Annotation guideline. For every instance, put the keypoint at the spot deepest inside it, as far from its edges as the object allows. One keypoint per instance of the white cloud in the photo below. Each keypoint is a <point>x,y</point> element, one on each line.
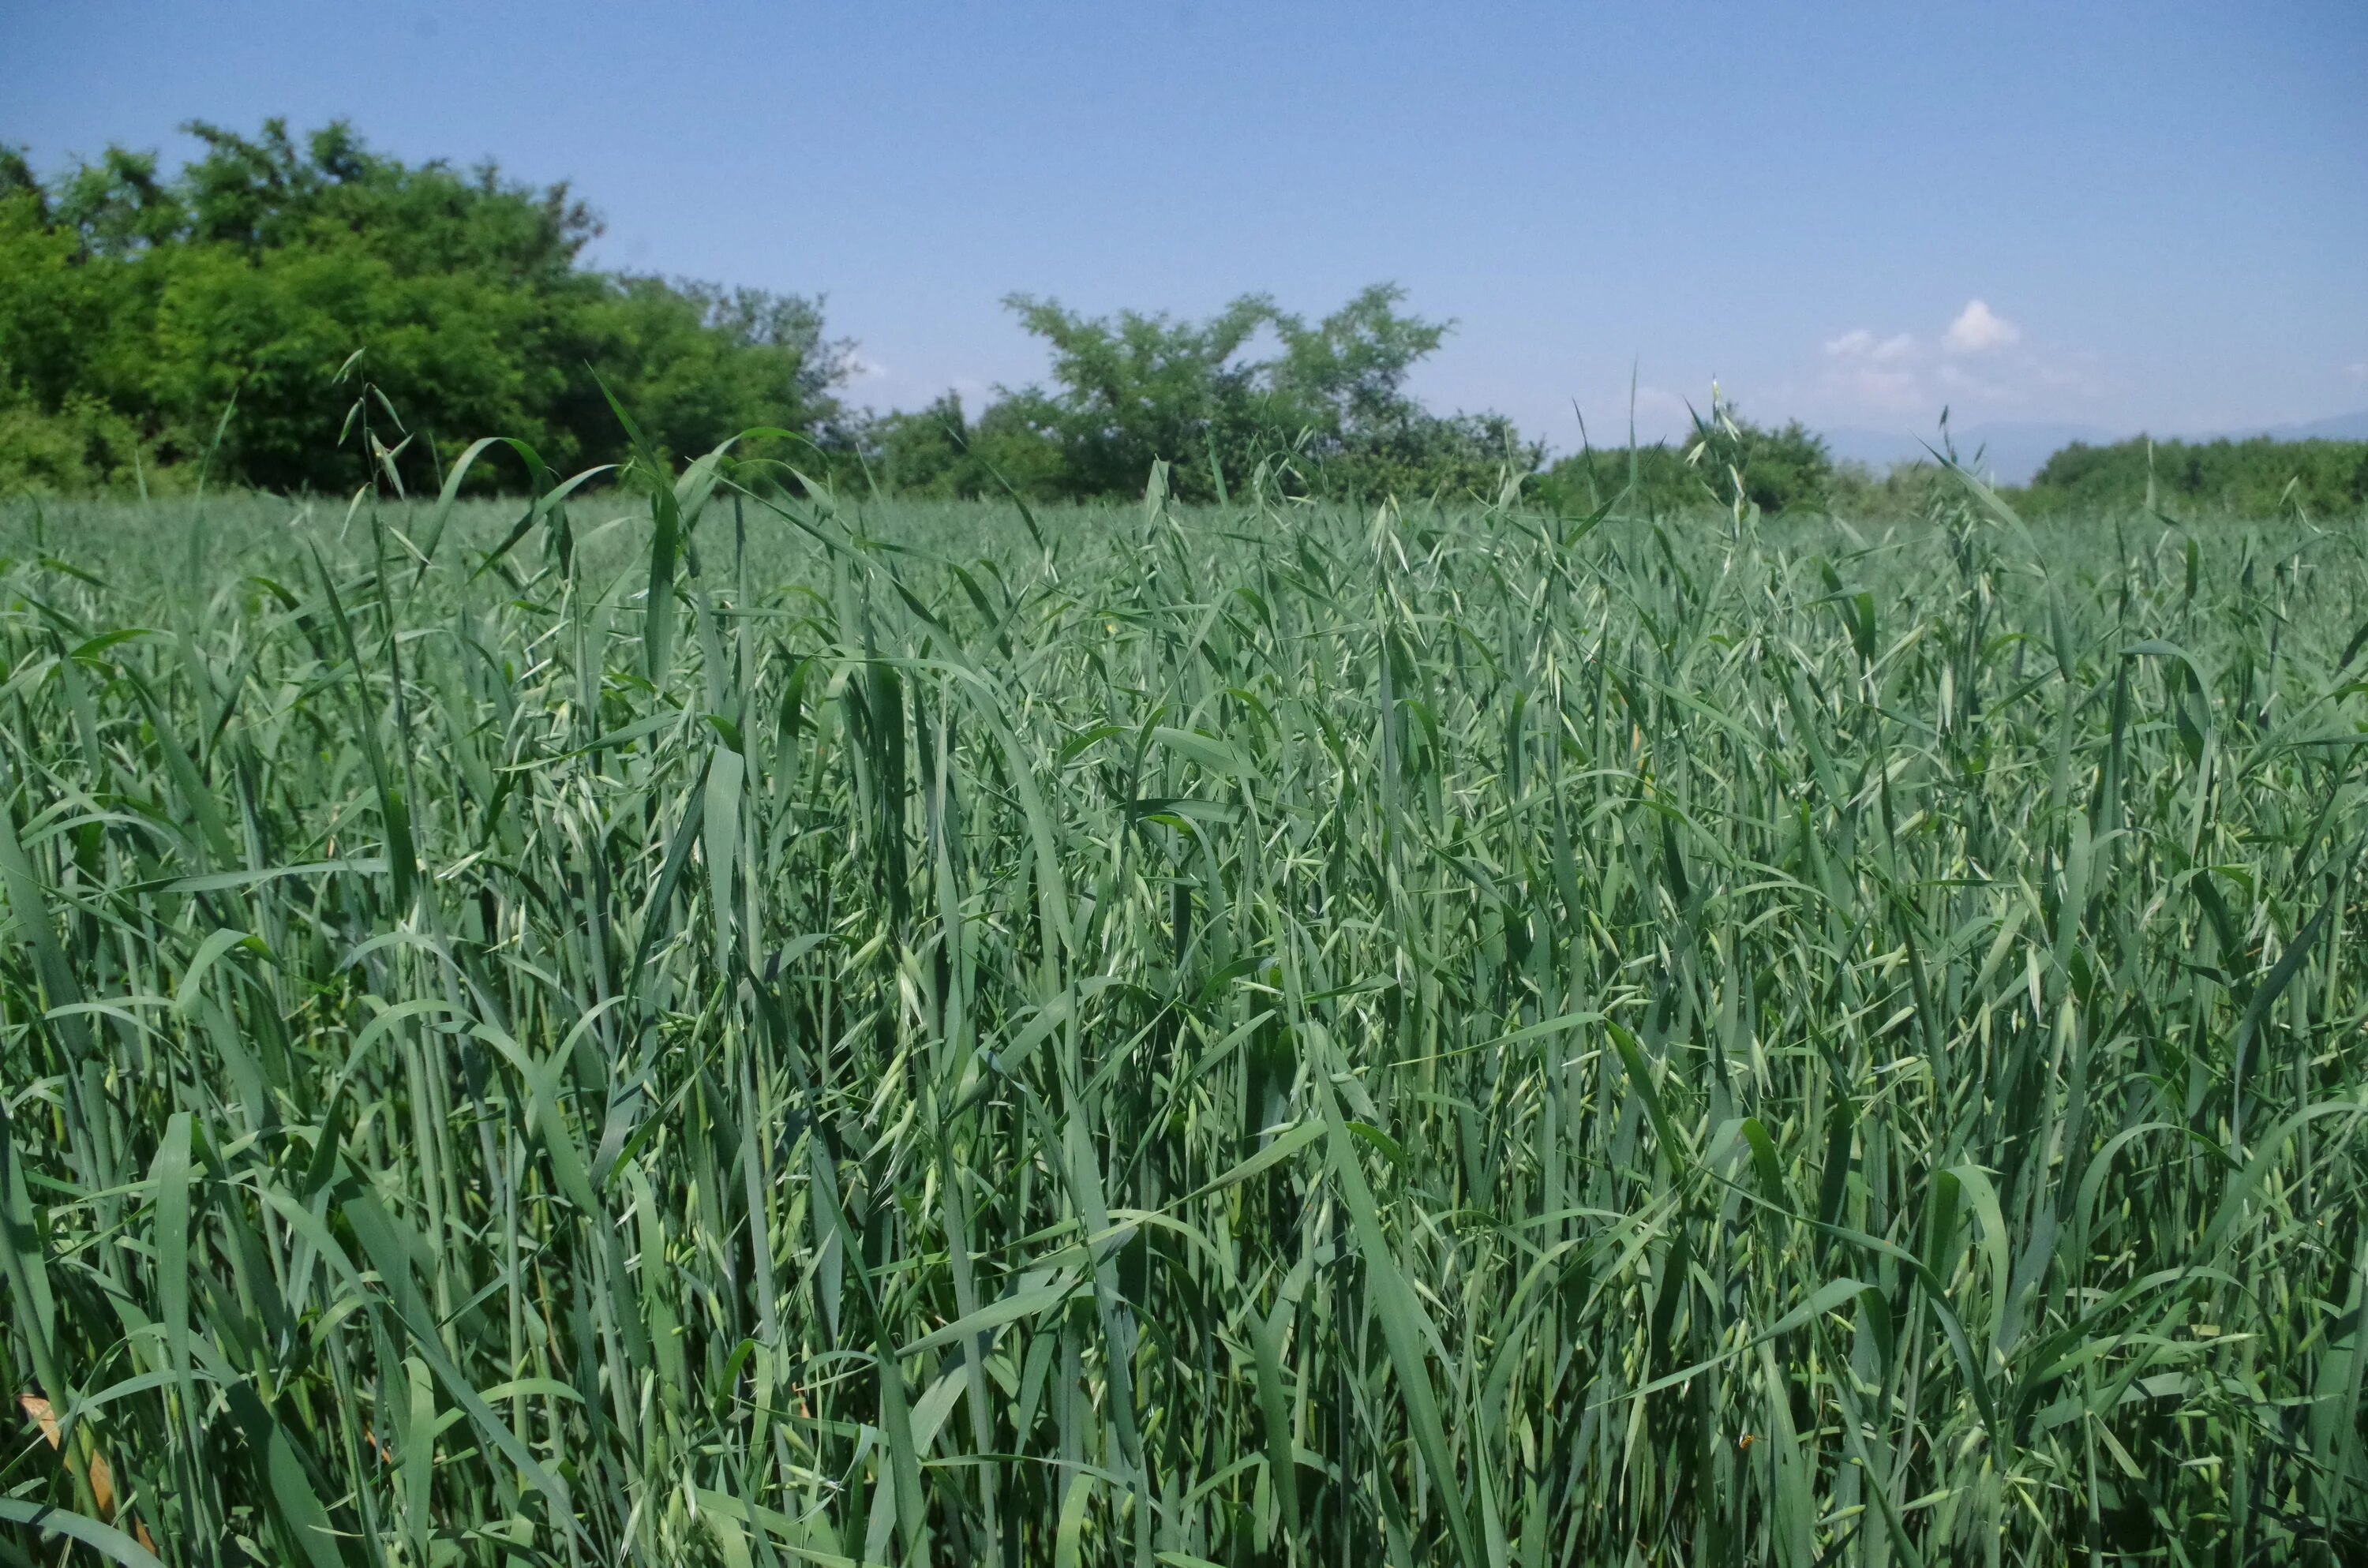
<point>1876,373</point>
<point>1979,362</point>
<point>1978,329</point>
<point>1893,392</point>
<point>1860,344</point>
<point>1964,386</point>
<point>2357,369</point>
<point>862,369</point>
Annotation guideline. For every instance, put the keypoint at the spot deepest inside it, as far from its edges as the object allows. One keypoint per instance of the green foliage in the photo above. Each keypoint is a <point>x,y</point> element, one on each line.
<point>257,270</point>
<point>83,448</point>
<point>137,305</point>
<point>1323,408</point>
<point>938,452</point>
<point>1137,389</point>
<point>2250,477</point>
<point>140,305</point>
<point>1415,454</point>
<point>1903,490</point>
<point>1776,469</point>
<point>1269,1035</point>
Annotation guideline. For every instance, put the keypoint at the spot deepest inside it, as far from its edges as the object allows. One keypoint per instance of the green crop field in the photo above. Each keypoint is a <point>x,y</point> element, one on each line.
<point>760,1032</point>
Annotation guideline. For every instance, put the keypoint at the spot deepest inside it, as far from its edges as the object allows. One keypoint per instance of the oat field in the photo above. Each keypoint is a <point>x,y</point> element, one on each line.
<point>685,1024</point>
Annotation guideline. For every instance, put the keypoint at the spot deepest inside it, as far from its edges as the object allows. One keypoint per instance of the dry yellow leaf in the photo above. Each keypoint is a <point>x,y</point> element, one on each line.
<point>102,1485</point>
<point>38,1409</point>
<point>102,1474</point>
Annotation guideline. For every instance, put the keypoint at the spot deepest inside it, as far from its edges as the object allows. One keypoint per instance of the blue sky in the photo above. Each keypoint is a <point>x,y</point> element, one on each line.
<point>2125,215</point>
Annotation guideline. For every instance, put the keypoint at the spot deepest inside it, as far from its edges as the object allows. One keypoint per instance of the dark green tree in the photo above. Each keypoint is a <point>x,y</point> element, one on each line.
<point>1132,389</point>
<point>133,306</point>
<point>1775,469</point>
<point>1328,395</point>
<point>2253,477</point>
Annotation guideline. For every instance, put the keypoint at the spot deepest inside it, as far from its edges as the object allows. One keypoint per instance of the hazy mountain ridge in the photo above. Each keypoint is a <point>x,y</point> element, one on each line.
<point>2012,451</point>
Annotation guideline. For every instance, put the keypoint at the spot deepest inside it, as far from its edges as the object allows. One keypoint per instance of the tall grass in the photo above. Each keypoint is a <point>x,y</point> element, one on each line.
<point>753,1032</point>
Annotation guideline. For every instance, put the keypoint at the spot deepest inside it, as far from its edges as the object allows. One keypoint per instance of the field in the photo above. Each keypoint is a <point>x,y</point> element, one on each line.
<point>756,1031</point>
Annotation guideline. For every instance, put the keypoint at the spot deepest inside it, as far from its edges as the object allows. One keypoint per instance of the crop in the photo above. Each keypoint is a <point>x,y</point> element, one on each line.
<point>757,1030</point>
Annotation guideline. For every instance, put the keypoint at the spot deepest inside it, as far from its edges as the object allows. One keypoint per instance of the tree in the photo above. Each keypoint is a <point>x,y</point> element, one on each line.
<point>1132,389</point>
<point>1788,467</point>
<point>136,304</point>
<point>2254,477</point>
<point>1138,388</point>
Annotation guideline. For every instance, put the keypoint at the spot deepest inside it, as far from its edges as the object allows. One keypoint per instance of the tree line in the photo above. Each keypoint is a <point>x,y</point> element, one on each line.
<point>153,324</point>
<point>138,305</point>
<point>136,308</point>
<point>2257,477</point>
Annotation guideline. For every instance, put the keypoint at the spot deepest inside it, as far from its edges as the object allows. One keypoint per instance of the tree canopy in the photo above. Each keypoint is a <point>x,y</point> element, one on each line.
<point>1319,406</point>
<point>2254,478</point>
<point>138,304</point>
<point>1777,469</point>
<point>134,306</point>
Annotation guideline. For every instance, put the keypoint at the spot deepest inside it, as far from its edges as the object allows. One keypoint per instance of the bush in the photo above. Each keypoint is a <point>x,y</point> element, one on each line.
<point>1773,468</point>
<point>2255,477</point>
<point>1903,490</point>
<point>84,448</point>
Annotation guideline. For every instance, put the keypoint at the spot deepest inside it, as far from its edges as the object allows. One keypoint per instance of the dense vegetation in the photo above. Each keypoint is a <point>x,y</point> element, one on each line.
<point>1326,413</point>
<point>134,308</point>
<point>137,308</point>
<point>1726,457</point>
<point>2254,478</point>
<point>748,1030</point>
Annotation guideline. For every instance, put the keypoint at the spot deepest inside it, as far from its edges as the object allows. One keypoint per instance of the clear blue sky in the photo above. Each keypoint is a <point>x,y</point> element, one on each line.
<point>2161,209</point>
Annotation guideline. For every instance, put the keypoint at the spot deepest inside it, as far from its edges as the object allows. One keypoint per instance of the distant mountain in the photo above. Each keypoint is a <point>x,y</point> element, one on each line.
<point>2013,451</point>
<point>2343,427</point>
<point>2010,452</point>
